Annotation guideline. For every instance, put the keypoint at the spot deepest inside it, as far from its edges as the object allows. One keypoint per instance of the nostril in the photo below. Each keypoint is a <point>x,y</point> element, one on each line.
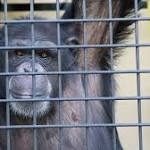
<point>26,70</point>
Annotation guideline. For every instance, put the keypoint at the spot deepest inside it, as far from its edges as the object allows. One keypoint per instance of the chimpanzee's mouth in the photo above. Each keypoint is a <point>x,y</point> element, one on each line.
<point>18,95</point>
<point>28,108</point>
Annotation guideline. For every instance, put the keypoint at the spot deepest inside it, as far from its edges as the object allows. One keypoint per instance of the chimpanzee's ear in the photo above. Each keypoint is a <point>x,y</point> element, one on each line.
<point>73,41</point>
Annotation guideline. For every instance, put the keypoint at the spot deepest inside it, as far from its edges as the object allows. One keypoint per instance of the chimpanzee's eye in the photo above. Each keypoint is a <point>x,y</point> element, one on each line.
<point>19,53</point>
<point>43,54</point>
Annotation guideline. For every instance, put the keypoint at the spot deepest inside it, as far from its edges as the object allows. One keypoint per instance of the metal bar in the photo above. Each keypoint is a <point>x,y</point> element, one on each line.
<point>138,76</point>
<point>75,46</point>
<point>116,98</point>
<point>76,125</point>
<point>112,68</point>
<point>37,7</point>
<point>76,20</point>
<point>45,6</point>
<point>77,72</point>
<point>33,76</point>
<point>60,146</point>
<point>7,83</point>
<point>85,75</point>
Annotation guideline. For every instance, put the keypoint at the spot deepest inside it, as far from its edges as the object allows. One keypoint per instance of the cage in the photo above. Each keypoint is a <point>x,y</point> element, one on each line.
<point>74,75</point>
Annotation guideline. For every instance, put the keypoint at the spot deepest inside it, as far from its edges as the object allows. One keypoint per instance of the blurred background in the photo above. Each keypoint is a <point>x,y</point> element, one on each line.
<point>126,110</point>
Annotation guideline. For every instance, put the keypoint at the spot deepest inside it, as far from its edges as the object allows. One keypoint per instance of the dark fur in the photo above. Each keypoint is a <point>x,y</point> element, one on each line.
<point>73,112</point>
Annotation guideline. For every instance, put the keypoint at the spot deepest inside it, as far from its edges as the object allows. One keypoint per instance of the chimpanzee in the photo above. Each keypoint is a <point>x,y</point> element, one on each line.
<point>70,124</point>
<point>20,61</point>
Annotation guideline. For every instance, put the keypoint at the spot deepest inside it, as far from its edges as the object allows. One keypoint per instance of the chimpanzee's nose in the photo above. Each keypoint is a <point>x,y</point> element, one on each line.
<point>29,70</point>
<point>28,67</point>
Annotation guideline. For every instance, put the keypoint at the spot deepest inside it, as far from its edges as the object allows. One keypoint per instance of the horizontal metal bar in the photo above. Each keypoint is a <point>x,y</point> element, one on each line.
<point>43,6</point>
<point>75,72</point>
<point>74,20</point>
<point>115,98</point>
<point>26,7</point>
<point>76,125</point>
<point>75,46</point>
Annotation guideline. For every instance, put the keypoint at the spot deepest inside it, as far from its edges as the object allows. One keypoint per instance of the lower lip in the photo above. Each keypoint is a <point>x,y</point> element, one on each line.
<point>19,96</point>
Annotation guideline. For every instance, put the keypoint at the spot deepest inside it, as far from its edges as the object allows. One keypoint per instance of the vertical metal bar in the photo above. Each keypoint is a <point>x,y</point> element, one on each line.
<point>85,69</point>
<point>7,70</point>
<point>33,76</point>
<point>138,75</point>
<point>59,69</point>
<point>112,68</point>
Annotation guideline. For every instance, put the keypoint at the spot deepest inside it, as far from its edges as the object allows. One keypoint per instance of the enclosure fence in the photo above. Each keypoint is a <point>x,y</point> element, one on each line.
<point>7,125</point>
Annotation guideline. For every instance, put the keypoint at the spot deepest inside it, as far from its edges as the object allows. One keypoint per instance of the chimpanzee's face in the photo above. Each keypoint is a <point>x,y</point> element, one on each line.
<point>42,85</point>
<point>39,86</point>
<point>32,86</point>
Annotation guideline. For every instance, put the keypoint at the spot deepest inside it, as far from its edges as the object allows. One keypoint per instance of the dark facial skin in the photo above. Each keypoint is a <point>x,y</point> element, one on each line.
<point>21,87</point>
<point>46,60</point>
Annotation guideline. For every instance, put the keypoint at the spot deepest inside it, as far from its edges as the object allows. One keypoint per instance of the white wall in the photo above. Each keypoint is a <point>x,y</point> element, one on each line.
<point>127,110</point>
